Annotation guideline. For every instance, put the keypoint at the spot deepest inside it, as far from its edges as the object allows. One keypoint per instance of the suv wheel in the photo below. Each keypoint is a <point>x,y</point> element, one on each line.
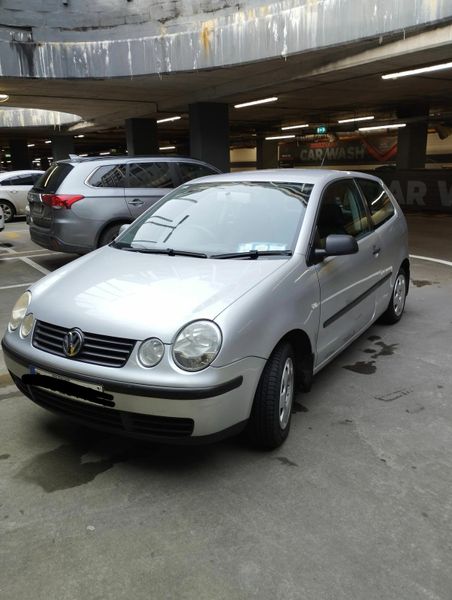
<point>109,234</point>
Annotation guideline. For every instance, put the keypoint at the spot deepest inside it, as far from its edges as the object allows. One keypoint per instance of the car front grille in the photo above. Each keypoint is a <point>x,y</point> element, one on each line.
<point>134,424</point>
<point>97,349</point>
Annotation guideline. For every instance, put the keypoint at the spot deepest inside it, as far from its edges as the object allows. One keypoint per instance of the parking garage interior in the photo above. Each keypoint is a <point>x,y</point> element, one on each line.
<point>357,503</point>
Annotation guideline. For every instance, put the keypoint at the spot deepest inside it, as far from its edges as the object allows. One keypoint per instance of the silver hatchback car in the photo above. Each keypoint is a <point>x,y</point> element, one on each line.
<point>209,312</point>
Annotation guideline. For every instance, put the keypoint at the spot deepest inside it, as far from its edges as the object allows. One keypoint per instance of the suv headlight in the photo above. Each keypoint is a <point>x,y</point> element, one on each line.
<point>196,345</point>
<point>19,311</point>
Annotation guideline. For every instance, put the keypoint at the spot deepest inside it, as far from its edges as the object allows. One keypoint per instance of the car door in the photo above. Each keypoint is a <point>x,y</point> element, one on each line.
<point>347,283</point>
<point>383,218</point>
<point>20,187</point>
<point>147,182</point>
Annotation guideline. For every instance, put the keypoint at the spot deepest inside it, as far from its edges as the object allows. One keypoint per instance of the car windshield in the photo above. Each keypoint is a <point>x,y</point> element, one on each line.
<point>222,220</point>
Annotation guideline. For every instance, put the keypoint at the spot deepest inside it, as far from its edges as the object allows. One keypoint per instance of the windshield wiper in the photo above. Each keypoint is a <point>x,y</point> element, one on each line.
<point>253,254</point>
<point>168,251</point>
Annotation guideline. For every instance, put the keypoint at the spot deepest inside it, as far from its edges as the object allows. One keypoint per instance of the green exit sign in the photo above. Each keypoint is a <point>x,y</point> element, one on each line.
<point>321,129</point>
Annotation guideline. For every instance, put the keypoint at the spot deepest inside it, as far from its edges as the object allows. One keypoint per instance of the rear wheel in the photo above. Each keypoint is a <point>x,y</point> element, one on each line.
<point>396,305</point>
<point>8,210</point>
<point>109,234</point>
<point>270,418</point>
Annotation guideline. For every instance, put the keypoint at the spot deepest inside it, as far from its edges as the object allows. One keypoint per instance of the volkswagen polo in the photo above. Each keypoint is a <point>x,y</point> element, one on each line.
<point>209,312</point>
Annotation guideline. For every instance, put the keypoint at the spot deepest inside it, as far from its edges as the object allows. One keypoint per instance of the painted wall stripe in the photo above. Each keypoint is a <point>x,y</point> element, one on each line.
<point>435,260</point>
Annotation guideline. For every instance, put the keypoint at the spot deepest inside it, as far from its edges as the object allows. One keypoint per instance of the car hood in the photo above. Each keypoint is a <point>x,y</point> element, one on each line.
<point>133,295</point>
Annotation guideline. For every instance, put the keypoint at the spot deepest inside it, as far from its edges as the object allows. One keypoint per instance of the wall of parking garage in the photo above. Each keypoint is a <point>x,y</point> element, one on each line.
<point>108,38</point>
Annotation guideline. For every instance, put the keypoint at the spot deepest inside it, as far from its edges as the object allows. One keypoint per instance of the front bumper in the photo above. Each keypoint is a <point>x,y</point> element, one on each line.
<point>177,414</point>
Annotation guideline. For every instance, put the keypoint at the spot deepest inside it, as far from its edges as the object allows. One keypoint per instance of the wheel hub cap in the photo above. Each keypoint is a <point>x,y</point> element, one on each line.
<point>286,393</point>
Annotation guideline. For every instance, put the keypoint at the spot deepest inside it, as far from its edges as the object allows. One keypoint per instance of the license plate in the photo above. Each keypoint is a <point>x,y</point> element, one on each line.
<point>91,386</point>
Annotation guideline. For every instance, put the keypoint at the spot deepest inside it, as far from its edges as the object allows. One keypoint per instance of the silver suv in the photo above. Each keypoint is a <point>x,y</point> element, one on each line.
<point>80,204</point>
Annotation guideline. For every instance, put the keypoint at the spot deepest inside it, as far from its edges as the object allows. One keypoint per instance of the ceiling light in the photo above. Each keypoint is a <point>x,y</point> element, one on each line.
<point>391,126</point>
<point>4,97</point>
<point>369,118</point>
<point>168,119</point>
<point>80,135</point>
<point>253,102</point>
<point>167,148</point>
<point>295,126</point>
<point>280,137</point>
<point>30,145</point>
<point>418,71</point>
<point>104,153</point>
<point>48,142</point>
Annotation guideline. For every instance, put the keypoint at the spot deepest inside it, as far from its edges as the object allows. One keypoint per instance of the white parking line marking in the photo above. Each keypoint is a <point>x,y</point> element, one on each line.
<point>17,256</point>
<point>34,265</point>
<point>16,285</point>
<point>435,260</point>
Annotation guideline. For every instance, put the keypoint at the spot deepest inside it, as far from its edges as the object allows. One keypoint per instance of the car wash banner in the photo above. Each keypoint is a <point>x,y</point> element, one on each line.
<point>315,151</point>
<point>420,189</point>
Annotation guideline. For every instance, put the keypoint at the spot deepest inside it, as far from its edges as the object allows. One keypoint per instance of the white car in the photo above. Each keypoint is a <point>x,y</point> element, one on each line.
<point>14,187</point>
<point>2,220</point>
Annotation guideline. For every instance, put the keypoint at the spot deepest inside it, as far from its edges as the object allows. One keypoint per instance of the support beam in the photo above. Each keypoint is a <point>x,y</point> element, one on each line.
<point>141,137</point>
<point>62,146</point>
<point>20,158</point>
<point>266,153</point>
<point>412,139</point>
<point>209,133</point>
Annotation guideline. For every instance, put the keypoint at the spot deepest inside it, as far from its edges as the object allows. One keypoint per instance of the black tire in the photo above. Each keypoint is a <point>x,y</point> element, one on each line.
<point>109,234</point>
<point>266,427</point>
<point>9,212</point>
<point>396,305</point>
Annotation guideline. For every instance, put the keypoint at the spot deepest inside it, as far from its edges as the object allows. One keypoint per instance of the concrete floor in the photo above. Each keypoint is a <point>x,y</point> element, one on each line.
<point>355,506</point>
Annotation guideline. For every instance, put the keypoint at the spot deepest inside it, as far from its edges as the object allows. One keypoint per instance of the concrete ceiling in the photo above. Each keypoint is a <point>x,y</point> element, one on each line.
<point>311,87</point>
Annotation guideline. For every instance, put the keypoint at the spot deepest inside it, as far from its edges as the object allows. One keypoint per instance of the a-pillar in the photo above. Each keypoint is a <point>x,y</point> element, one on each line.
<point>141,137</point>
<point>20,158</point>
<point>266,153</point>
<point>412,139</point>
<point>209,133</point>
<point>62,146</point>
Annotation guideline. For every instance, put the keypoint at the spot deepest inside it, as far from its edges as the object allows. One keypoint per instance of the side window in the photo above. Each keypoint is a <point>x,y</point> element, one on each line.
<point>109,176</point>
<point>378,201</point>
<point>24,180</point>
<point>192,171</point>
<point>341,212</point>
<point>9,181</point>
<point>150,175</point>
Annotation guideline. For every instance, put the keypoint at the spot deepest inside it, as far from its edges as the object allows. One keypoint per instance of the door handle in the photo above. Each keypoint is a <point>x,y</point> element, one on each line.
<point>136,202</point>
<point>376,250</point>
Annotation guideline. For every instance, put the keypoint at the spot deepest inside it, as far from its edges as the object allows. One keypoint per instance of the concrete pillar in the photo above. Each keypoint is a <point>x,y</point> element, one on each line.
<point>412,139</point>
<point>141,137</point>
<point>209,133</point>
<point>62,146</point>
<point>20,158</point>
<point>266,153</point>
<point>44,163</point>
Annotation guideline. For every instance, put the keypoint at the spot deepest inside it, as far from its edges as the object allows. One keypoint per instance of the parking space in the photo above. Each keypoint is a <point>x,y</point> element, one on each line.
<point>355,505</point>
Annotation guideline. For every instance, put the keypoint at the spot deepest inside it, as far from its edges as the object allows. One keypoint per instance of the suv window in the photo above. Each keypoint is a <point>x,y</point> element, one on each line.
<point>51,180</point>
<point>342,211</point>
<point>378,201</point>
<point>190,171</point>
<point>109,176</point>
<point>150,175</point>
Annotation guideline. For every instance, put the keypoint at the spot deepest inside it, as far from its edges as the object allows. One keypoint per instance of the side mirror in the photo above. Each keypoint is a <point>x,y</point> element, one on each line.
<point>336,245</point>
<point>123,228</point>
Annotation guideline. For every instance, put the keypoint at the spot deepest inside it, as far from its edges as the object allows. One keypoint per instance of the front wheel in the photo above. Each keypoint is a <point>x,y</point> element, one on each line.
<point>396,305</point>
<point>270,418</point>
<point>8,210</point>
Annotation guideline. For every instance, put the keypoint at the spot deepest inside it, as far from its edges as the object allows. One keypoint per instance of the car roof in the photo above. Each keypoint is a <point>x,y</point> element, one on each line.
<point>73,159</point>
<point>7,174</point>
<point>295,175</point>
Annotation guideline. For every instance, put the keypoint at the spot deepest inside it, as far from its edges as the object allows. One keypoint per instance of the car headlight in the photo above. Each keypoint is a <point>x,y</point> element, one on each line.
<point>27,325</point>
<point>196,345</point>
<point>19,311</point>
<point>150,352</point>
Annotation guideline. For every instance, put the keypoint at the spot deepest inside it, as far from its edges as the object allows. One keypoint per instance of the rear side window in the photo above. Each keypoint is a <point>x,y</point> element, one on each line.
<point>192,171</point>
<point>150,175</point>
<point>109,176</point>
<point>51,180</point>
<point>9,181</point>
<point>378,201</point>
<point>24,180</point>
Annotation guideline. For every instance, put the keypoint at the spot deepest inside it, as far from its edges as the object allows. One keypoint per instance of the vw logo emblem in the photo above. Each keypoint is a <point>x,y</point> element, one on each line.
<point>73,342</point>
